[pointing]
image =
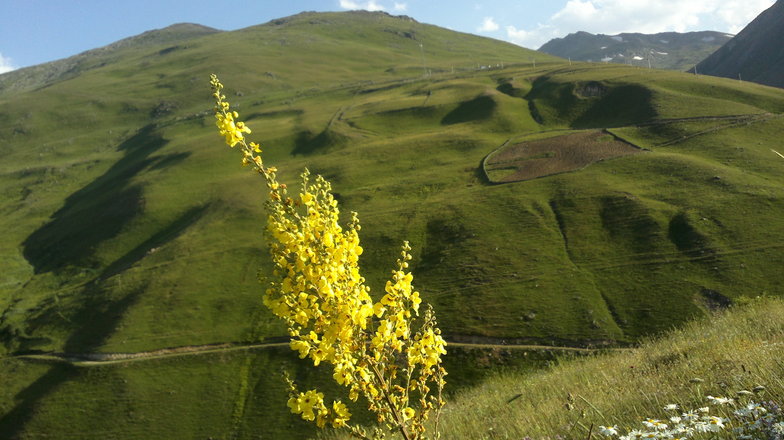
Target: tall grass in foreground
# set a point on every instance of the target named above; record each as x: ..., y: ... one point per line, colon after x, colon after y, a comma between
x: 730, y: 352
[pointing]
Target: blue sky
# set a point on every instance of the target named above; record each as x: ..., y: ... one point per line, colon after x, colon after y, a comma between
x: 37, y: 31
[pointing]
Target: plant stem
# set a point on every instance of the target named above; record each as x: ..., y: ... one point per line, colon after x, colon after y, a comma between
x: 398, y: 419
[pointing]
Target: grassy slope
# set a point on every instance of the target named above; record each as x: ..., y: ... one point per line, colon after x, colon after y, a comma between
x: 733, y: 351
x: 128, y: 154
x: 118, y: 194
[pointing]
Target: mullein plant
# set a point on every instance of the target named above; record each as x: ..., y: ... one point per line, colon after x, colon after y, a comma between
x: 386, y: 352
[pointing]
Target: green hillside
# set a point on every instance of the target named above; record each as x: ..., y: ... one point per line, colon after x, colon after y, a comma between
x: 129, y: 227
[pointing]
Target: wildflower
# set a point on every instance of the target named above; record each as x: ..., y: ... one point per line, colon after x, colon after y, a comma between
x: 671, y: 407
x: 608, y: 430
x: 318, y: 291
x: 342, y: 415
x: 752, y: 409
x: 655, y: 424
x: 720, y: 400
x: 715, y: 423
x: 633, y: 434
x: 754, y: 421
x: 304, y: 404
x: 342, y: 374
x: 230, y: 129
x: 690, y: 416
x: 301, y: 346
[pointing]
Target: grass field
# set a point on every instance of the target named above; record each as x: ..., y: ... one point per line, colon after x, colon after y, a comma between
x: 128, y: 227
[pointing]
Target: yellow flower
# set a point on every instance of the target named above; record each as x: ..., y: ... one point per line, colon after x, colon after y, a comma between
x: 301, y: 346
x: 317, y: 289
x: 293, y: 404
x: 378, y: 309
x: 305, y: 403
x: 341, y: 414
x: 342, y: 375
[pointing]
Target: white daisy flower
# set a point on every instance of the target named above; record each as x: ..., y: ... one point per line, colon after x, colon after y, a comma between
x: 608, y: 430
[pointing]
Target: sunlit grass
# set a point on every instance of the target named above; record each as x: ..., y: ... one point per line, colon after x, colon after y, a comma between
x: 730, y: 352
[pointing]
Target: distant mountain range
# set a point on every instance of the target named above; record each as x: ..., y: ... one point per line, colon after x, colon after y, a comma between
x: 755, y: 54
x: 666, y: 50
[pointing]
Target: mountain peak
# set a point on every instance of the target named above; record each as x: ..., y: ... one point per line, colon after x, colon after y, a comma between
x: 755, y: 54
x: 47, y: 73
x: 314, y: 17
x: 665, y: 50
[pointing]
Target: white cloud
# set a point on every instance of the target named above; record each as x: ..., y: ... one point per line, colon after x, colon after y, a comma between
x: 737, y: 14
x: 488, y: 25
x: 517, y: 36
x: 646, y: 16
x: 533, y: 38
x: 6, y: 65
x: 371, y: 5
x: 400, y: 7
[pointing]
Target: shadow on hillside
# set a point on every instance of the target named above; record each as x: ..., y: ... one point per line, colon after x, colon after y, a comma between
x: 444, y: 235
x: 98, y: 306
x: 618, y: 106
x: 477, y: 109
x: 590, y: 104
x: 100, y: 317
x: 689, y: 240
x: 100, y: 210
x: 12, y: 422
x: 95, y: 320
x: 307, y: 143
x: 170, y: 232
x: 559, y: 96
x: 510, y: 90
x: 628, y: 221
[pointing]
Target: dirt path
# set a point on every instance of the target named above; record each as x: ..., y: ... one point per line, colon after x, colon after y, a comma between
x: 93, y: 359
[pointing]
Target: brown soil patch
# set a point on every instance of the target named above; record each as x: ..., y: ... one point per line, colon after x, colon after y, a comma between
x: 559, y: 154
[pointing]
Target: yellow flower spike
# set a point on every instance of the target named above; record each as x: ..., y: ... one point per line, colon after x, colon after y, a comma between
x: 318, y: 290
